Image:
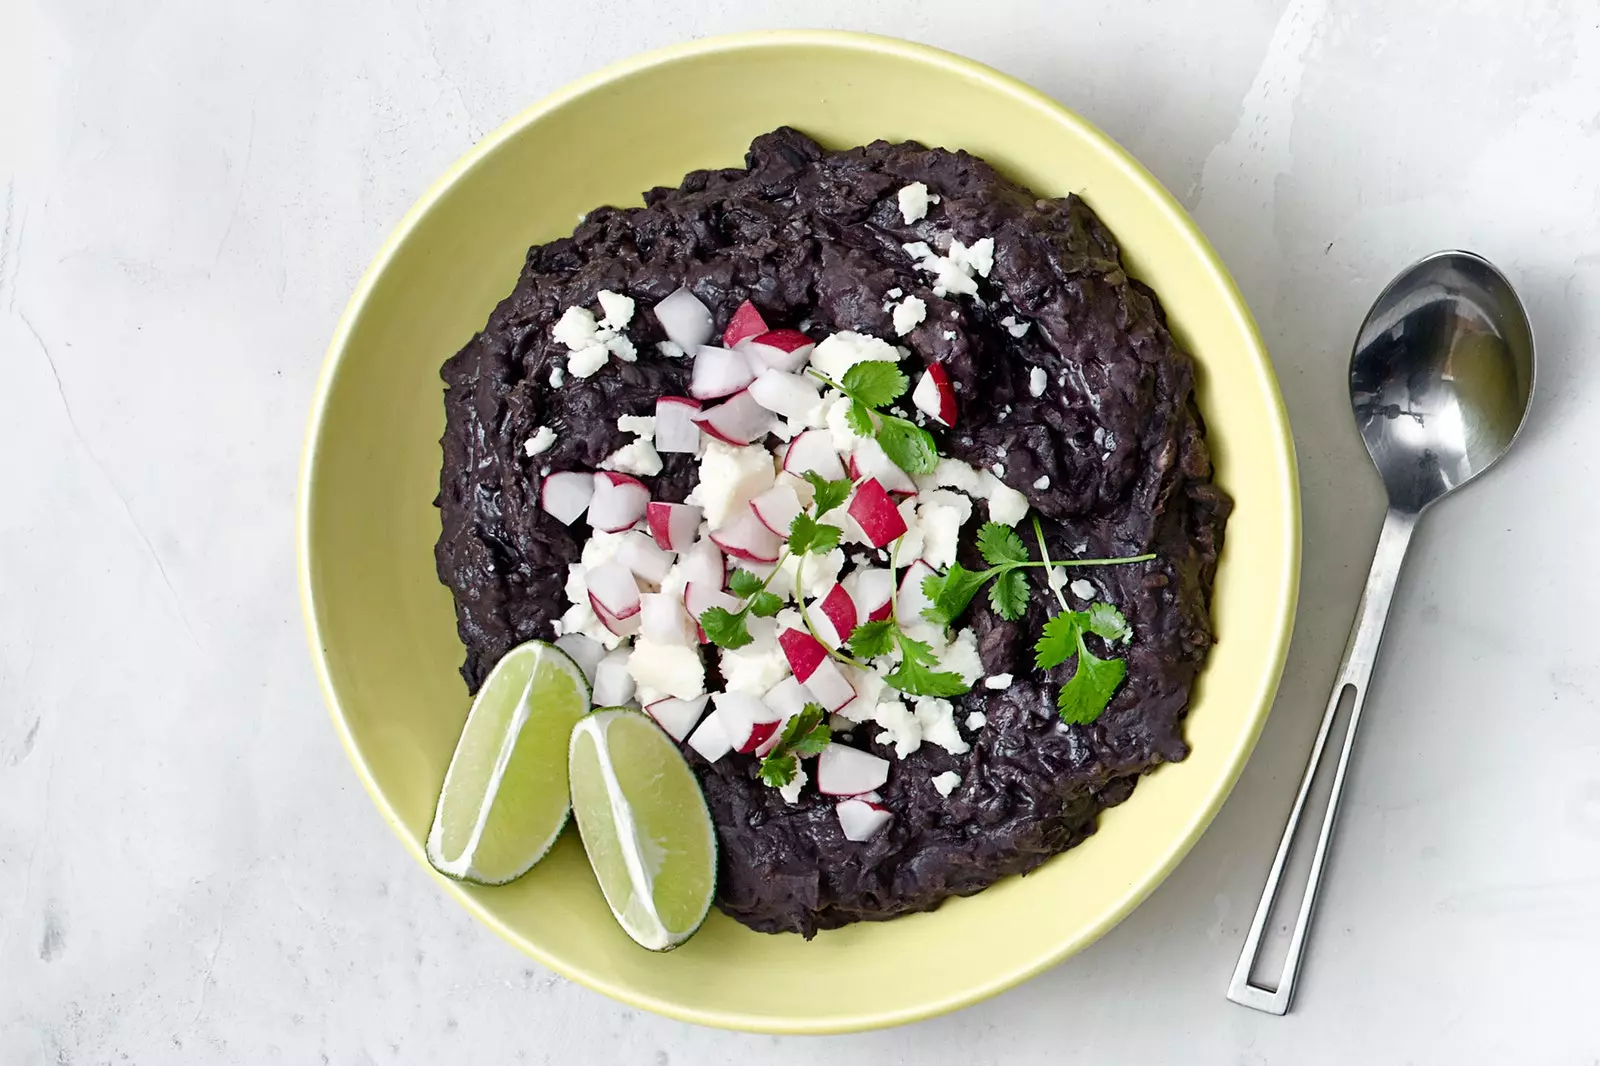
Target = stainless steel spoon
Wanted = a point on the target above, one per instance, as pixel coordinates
(1441, 379)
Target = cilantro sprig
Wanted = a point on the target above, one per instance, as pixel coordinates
(872, 386)
(807, 733)
(1094, 681)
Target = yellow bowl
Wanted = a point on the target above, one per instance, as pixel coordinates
(382, 629)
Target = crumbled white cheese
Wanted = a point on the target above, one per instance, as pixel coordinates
(821, 571)
(949, 334)
(997, 681)
(1014, 327)
(936, 721)
(639, 458)
(978, 259)
(1042, 482)
(1056, 578)
(791, 791)
(675, 669)
(576, 328)
(999, 469)
(1082, 589)
(1037, 380)
(1006, 505)
(590, 343)
(908, 314)
(900, 727)
(838, 352)
(622, 348)
(835, 415)
(670, 349)
(580, 618)
(918, 250)
(583, 362)
(946, 782)
(940, 516)
(757, 666)
(730, 476)
(962, 656)
(558, 376)
(977, 720)
(914, 200)
(543, 439)
(951, 474)
(618, 310)
(895, 294)
(642, 426)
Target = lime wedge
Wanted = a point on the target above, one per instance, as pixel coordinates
(505, 797)
(645, 827)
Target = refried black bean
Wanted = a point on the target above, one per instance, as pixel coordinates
(814, 238)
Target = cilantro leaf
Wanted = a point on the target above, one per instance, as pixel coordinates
(826, 494)
(743, 584)
(724, 628)
(1057, 642)
(779, 768)
(872, 639)
(1009, 595)
(917, 680)
(908, 446)
(950, 592)
(802, 531)
(765, 604)
(858, 416)
(874, 382)
(806, 733)
(1000, 544)
(1105, 621)
(916, 652)
(1091, 688)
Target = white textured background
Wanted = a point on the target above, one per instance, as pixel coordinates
(189, 872)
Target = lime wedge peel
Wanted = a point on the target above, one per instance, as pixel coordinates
(505, 798)
(646, 831)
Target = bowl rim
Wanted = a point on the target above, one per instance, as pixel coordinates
(1181, 223)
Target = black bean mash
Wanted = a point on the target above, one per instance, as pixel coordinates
(814, 238)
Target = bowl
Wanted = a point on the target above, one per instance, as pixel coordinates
(382, 627)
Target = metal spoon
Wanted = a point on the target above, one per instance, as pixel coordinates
(1441, 379)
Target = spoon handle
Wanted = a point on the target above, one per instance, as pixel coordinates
(1354, 673)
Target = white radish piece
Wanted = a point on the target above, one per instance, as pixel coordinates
(787, 698)
(663, 620)
(613, 685)
(812, 450)
(710, 740)
(686, 321)
(566, 495)
(619, 501)
(803, 651)
(911, 599)
(870, 460)
(583, 650)
(643, 556)
(738, 420)
(790, 395)
(698, 599)
(672, 525)
(875, 513)
(934, 396)
(614, 589)
(747, 721)
(861, 820)
(703, 565)
(830, 687)
(675, 427)
(622, 627)
(676, 717)
(719, 372)
(780, 349)
(846, 771)
(746, 538)
(874, 591)
(777, 508)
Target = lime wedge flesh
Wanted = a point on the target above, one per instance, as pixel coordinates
(505, 797)
(645, 826)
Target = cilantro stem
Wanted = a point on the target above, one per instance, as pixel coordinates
(1049, 570)
(805, 616)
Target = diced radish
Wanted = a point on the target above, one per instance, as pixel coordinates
(710, 740)
(874, 591)
(846, 771)
(677, 717)
(777, 508)
(840, 611)
(685, 319)
(613, 685)
(803, 651)
(812, 450)
(780, 349)
(673, 525)
(698, 599)
(663, 620)
(566, 495)
(747, 721)
(643, 556)
(875, 513)
(738, 420)
(719, 372)
(585, 651)
(870, 460)
(703, 565)
(613, 587)
(861, 820)
(746, 538)
(788, 697)
(934, 396)
(911, 599)
(675, 426)
(830, 687)
(790, 395)
(746, 322)
(622, 627)
(619, 501)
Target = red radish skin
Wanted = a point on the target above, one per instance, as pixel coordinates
(565, 496)
(934, 396)
(675, 427)
(860, 820)
(780, 349)
(747, 721)
(840, 610)
(612, 585)
(777, 508)
(746, 538)
(875, 513)
(804, 652)
(874, 593)
(812, 450)
(746, 322)
(619, 501)
(738, 420)
(685, 320)
(673, 525)
(846, 771)
(622, 627)
(719, 372)
(677, 717)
